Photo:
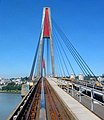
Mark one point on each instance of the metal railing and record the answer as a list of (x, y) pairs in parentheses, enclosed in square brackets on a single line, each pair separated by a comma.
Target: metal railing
[(70, 86), (22, 105)]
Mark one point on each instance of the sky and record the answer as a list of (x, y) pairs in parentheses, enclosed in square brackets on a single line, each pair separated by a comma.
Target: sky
[(20, 25)]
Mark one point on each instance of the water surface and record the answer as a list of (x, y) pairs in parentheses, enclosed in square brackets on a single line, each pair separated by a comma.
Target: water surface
[(8, 102)]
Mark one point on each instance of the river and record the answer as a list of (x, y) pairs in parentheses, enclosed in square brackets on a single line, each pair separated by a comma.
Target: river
[(8, 102)]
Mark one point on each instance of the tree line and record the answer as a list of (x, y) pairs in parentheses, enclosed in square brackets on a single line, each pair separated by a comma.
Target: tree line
[(12, 86)]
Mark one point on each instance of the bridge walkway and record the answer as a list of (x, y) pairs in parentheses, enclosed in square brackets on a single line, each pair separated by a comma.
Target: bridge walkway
[(77, 110)]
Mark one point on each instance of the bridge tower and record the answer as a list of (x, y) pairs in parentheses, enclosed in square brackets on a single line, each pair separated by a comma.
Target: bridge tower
[(46, 32)]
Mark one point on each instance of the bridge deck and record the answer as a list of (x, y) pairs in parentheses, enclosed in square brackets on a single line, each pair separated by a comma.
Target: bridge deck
[(76, 109)]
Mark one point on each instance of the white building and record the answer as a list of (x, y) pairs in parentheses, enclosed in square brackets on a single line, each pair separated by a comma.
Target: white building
[(100, 79), (2, 82), (72, 76), (81, 77)]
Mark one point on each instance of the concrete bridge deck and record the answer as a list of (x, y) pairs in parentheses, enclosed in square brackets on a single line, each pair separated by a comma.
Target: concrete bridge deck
[(77, 110)]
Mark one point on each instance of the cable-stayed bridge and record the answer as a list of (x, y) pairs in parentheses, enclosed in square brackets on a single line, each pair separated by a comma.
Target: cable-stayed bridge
[(56, 91)]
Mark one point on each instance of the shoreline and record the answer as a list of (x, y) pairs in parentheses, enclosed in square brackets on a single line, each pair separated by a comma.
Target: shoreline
[(13, 92)]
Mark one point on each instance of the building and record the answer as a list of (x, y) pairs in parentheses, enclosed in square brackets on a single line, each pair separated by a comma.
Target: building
[(81, 77), (72, 76)]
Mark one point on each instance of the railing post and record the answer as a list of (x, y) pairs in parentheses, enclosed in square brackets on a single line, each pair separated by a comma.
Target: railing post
[(80, 94), (61, 84), (15, 117), (86, 87), (57, 82), (92, 101), (67, 87), (72, 90)]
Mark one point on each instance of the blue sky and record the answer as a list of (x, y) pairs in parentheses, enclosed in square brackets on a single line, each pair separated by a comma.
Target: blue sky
[(20, 23)]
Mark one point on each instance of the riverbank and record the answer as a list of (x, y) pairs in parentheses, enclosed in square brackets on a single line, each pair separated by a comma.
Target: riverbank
[(10, 91)]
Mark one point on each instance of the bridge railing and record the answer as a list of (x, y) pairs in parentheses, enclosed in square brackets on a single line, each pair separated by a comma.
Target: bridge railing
[(81, 91), (18, 112)]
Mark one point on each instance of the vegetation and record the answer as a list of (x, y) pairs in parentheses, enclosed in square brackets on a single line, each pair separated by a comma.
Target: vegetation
[(24, 79), (12, 87)]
